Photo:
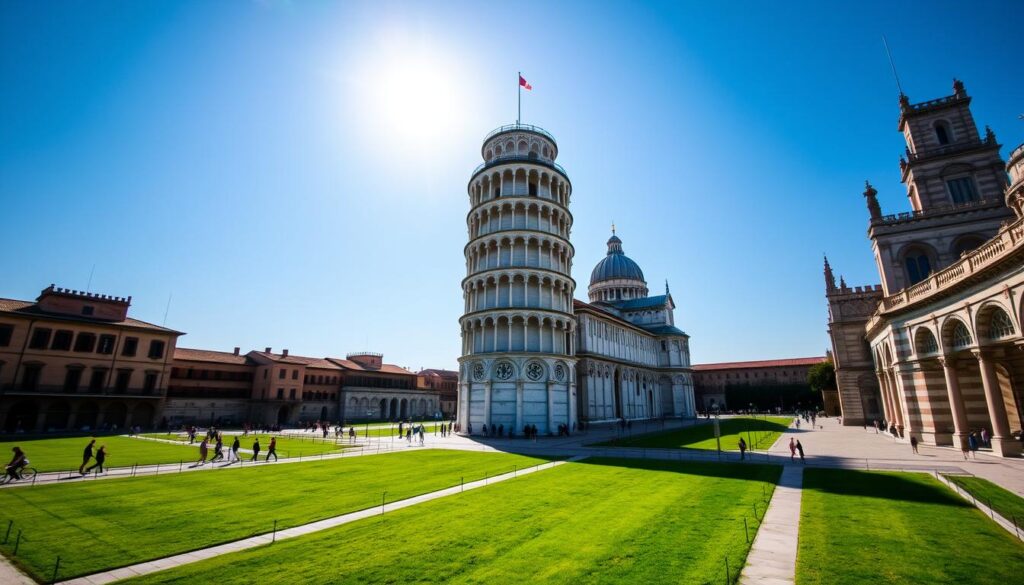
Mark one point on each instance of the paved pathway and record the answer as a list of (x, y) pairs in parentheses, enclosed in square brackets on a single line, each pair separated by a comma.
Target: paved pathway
[(772, 558), (238, 545), (10, 575)]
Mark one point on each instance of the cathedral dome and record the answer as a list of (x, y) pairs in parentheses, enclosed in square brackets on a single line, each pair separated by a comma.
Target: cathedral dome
[(616, 265)]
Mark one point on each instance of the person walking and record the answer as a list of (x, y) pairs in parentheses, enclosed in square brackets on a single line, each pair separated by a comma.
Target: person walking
[(233, 452), (965, 447), (203, 451), (913, 443), (86, 455), (743, 449), (792, 448), (218, 449), (985, 438), (800, 449), (272, 449), (256, 449), (101, 457), (972, 444)]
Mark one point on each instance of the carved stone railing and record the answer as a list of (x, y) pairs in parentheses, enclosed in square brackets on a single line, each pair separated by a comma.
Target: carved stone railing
[(939, 210), (1010, 239)]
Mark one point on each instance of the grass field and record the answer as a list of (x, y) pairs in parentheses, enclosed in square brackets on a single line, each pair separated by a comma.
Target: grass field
[(604, 521), (287, 445), (870, 527), (758, 432), (1006, 503), (104, 524), (65, 454)]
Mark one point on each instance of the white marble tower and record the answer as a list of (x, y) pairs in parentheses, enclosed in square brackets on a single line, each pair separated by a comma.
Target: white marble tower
[(518, 342)]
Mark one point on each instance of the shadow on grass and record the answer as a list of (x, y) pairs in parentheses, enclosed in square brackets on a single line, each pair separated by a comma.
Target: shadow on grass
[(679, 438), (905, 487), (749, 471)]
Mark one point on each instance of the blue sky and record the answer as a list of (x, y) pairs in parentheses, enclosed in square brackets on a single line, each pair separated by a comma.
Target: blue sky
[(292, 174)]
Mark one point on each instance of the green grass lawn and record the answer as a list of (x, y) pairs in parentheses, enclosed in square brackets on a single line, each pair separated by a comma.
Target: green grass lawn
[(287, 445), (758, 432), (603, 521), (872, 527), (66, 453), (104, 524), (1006, 503), (388, 432)]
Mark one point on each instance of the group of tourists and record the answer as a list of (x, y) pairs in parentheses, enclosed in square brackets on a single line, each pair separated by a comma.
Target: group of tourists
[(232, 454), (323, 427), (794, 448)]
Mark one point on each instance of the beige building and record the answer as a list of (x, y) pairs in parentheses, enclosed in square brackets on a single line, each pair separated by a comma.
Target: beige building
[(934, 351), (767, 376), (446, 383), (75, 360)]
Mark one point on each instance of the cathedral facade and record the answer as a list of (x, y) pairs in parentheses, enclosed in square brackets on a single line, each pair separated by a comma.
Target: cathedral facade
[(934, 350), (531, 354)]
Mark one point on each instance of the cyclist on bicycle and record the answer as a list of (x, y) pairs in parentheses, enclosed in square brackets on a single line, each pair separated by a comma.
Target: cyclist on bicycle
[(18, 463)]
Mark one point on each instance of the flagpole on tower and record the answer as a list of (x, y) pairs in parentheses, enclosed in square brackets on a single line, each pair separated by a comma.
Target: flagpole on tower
[(519, 97)]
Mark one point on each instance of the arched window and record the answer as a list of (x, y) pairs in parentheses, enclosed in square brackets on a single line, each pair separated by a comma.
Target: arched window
[(942, 133), (1000, 326), (966, 244), (962, 190), (926, 342), (917, 264), (961, 336)]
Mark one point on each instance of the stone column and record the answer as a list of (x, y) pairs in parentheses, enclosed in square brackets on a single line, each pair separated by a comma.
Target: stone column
[(551, 406), (464, 390), (883, 386), (901, 404), (1002, 443), (519, 406), (487, 403), (571, 410), (956, 401)]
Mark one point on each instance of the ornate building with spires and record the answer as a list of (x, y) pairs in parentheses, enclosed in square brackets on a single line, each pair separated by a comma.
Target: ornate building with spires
[(531, 354), (934, 351)]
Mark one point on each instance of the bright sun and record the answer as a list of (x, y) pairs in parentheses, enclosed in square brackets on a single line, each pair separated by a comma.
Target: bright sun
[(411, 95)]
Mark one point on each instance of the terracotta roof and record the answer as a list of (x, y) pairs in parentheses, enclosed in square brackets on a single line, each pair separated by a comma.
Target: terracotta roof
[(208, 355), (809, 361), (440, 373), (312, 362), (384, 368), (29, 308)]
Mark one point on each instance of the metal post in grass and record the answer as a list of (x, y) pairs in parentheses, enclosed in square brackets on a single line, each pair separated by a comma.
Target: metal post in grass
[(180, 463), (727, 570), (34, 479), (273, 533), (745, 532), (17, 542), (991, 511), (1013, 518), (462, 488), (383, 500), (56, 567), (10, 524), (755, 510)]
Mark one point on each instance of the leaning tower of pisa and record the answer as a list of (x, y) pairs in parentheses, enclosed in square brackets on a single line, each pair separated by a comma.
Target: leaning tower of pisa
[(518, 343)]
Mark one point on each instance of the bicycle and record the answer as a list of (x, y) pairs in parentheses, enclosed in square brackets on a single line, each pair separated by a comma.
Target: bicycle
[(27, 474)]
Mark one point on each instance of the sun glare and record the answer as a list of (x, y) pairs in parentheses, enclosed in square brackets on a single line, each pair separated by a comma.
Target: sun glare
[(412, 96)]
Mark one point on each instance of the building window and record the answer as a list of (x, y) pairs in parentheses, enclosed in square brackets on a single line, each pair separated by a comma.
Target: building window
[(6, 331), (149, 384), (156, 349), (280, 393), (85, 342), (97, 380), (124, 377), (106, 345), (926, 342), (962, 190), (918, 266), (72, 379), (291, 394), (295, 374), (62, 340), (942, 133), (30, 376), (88, 310), (280, 374), (40, 338), (961, 336), (1000, 326), (130, 347)]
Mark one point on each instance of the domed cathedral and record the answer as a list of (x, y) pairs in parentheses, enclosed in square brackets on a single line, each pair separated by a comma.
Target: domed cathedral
[(518, 366), (932, 352), (634, 363)]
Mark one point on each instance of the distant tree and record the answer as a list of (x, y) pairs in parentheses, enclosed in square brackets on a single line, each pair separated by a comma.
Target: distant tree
[(822, 376)]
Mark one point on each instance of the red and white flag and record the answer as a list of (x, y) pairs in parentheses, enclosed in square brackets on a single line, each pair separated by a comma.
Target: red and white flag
[(523, 83)]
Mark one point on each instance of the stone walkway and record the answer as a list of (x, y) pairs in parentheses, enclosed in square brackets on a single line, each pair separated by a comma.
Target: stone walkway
[(238, 545), (772, 558)]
